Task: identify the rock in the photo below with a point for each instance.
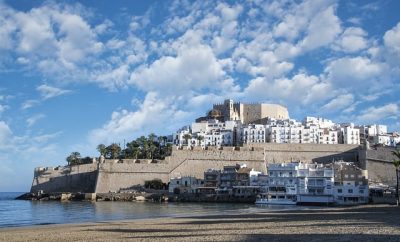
(65, 196)
(90, 196)
(140, 198)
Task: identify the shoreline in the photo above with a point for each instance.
(369, 223)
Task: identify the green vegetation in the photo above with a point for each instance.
(396, 163)
(151, 147)
(75, 159)
(155, 184)
(187, 137)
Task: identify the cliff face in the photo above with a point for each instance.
(113, 175)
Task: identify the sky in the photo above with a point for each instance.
(76, 74)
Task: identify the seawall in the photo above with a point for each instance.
(81, 178)
(113, 175)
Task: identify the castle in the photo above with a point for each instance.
(245, 112)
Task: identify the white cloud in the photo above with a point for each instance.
(52, 38)
(392, 38)
(355, 72)
(115, 44)
(338, 103)
(391, 50)
(103, 27)
(79, 39)
(29, 104)
(297, 18)
(32, 120)
(44, 138)
(322, 30)
(113, 79)
(49, 92)
(3, 108)
(352, 40)
(374, 114)
(5, 135)
(256, 59)
(36, 32)
(7, 28)
(354, 20)
(155, 114)
(194, 68)
(301, 88)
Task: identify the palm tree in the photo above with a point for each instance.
(132, 149)
(164, 139)
(199, 139)
(113, 151)
(74, 158)
(144, 146)
(187, 137)
(102, 149)
(396, 163)
(152, 147)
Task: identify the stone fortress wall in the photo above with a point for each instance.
(379, 163)
(80, 178)
(113, 175)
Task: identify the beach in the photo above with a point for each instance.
(366, 223)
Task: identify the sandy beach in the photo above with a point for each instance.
(364, 223)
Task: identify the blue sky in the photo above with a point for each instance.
(73, 75)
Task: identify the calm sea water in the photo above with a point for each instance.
(14, 213)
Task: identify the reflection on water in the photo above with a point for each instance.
(23, 213)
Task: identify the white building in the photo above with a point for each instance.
(320, 122)
(215, 132)
(253, 133)
(179, 136)
(219, 138)
(280, 187)
(185, 184)
(349, 135)
(304, 183)
(351, 184)
(310, 135)
(315, 183)
(328, 136)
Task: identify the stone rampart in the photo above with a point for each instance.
(272, 153)
(80, 178)
(114, 175)
(379, 163)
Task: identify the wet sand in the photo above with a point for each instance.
(364, 223)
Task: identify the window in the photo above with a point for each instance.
(339, 190)
(361, 191)
(177, 182)
(350, 190)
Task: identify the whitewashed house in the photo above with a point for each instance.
(185, 184)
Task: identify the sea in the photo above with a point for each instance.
(18, 213)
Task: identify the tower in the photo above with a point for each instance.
(229, 110)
